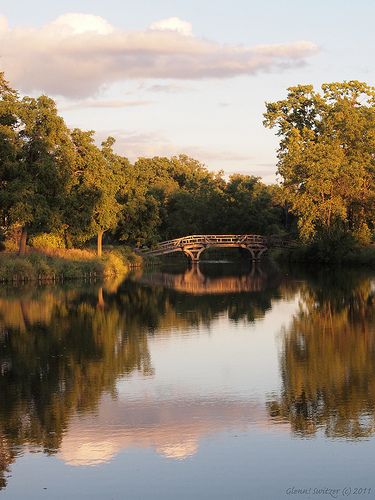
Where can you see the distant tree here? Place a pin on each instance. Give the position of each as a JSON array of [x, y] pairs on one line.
[[196, 207], [139, 218], [250, 206], [166, 197]]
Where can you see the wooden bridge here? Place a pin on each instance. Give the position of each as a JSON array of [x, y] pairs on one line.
[[193, 246]]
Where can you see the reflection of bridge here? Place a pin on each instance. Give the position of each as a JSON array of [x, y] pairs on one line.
[[194, 282], [194, 246]]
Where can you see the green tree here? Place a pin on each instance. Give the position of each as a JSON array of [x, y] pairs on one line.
[[250, 206], [10, 144], [139, 218], [36, 158], [326, 160], [94, 206]]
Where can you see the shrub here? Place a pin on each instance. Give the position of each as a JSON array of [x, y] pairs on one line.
[[47, 241], [16, 268], [128, 255], [363, 234], [114, 264]]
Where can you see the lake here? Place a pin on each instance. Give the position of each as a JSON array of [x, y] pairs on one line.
[[223, 381]]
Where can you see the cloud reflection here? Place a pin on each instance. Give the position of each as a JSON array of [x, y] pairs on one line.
[[172, 428]]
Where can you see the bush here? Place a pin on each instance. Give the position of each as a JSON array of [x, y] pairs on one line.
[[363, 234], [16, 269], [127, 254], [41, 266], [47, 241], [114, 265]]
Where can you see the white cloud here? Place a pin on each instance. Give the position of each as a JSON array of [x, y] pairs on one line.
[[173, 24], [77, 24], [77, 54]]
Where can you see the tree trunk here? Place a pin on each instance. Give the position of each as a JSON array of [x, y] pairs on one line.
[[67, 240], [101, 302], [23, 239], [100, 243]]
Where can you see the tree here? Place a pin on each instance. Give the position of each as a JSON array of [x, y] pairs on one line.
[[250, 206], [139, 218], [94, 207], [10, 144], [326, 159], [36, 157]]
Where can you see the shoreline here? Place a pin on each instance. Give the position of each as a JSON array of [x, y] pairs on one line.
[[63, 265]]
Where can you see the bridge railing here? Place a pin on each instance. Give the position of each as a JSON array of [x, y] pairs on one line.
[[211, 239], [255, 240]]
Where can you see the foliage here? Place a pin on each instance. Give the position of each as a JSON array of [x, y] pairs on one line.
[[36, 159], [326, 160], [47, 241], [56, 181]]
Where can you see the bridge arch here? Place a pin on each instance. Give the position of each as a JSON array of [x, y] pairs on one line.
[[194, 253]]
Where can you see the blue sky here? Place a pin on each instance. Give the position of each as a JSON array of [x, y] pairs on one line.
[[165, 104]]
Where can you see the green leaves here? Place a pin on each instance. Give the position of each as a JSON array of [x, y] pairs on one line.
[[326, 155]]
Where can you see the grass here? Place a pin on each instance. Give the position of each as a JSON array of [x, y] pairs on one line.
[[61, 264]]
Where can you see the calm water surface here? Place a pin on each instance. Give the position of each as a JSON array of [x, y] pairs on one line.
[[218, 382]]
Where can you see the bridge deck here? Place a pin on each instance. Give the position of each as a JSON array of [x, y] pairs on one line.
[[194, 245]]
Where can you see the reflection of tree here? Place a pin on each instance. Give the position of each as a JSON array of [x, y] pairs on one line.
[[328, 361], [57, 356], [61, 348], [7, 456]]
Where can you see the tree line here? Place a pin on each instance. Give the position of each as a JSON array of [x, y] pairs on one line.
[[57, 181]]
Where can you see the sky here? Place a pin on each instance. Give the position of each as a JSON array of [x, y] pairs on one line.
[[184, 76]]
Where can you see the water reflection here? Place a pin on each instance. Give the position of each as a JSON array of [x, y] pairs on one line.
[[173, 428], [198, 280], [61, 348], [63, 351], [328, 359]]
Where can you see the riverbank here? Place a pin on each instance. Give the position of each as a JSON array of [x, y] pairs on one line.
[[304, 254], [59, 265]]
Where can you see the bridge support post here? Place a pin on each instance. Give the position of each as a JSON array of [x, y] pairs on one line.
[[256, 253], [193, 253]]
